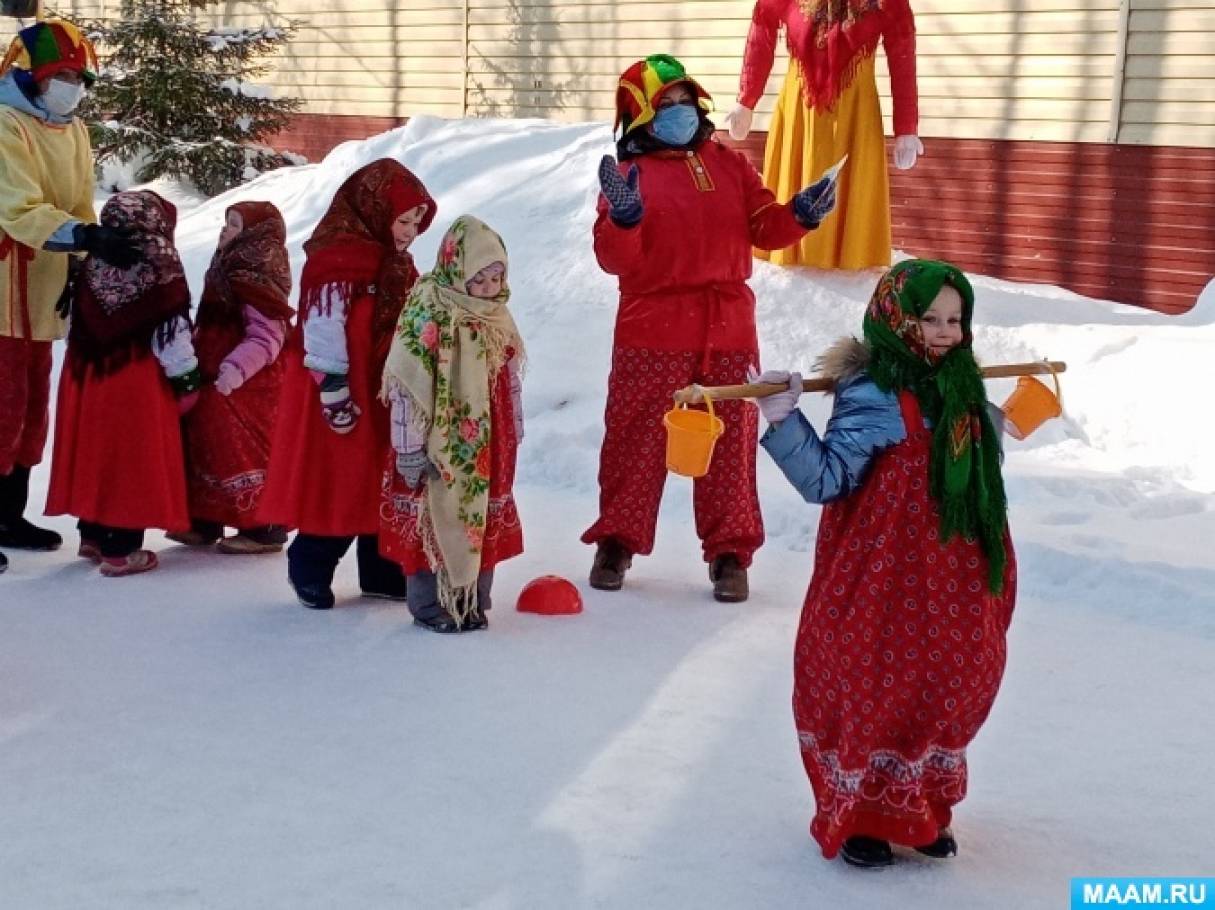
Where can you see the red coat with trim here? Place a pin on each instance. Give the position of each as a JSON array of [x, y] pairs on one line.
[[683, 269]]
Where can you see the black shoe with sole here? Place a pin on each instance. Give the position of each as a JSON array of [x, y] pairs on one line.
[[3, 563], [729, 580], [867, 852], [314, 597], [19, 534], [943, 847], [15, 532], [612, 560], [442, 624]]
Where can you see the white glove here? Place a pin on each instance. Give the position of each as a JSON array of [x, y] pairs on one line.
[[229, 379], [738, 122], [906, 150], [777, 407]]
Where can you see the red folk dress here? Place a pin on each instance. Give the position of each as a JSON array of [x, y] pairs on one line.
[[117, 458], [228, 437], [400, 507], [322, 482], [899, 655]]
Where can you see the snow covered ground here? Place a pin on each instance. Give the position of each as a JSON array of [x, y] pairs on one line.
[[192, 738]]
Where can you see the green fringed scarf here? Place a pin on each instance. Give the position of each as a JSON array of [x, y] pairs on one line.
[[964, 467]]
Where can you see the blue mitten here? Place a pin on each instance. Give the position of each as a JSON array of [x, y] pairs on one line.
[[624, 199], [814, 203]]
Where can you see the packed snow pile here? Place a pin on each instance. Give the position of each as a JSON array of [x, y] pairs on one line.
[[193, 738]]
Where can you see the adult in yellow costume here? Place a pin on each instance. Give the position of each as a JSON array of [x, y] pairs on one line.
[[46, 212], [829, 107]]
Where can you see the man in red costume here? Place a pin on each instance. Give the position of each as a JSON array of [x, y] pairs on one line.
[[677, 220]]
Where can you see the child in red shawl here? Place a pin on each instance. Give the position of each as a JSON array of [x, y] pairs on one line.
[[331, 435], [242, 322], [129, 373]]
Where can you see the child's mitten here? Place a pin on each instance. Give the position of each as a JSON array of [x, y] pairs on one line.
[[336, 407], [622, 193], [777, 407], [412, 466], [814, 203], [229, 379]]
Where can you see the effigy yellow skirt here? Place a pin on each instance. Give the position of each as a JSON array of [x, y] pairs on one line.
[[802, 143]]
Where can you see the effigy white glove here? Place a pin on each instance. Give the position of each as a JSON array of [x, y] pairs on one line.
[[738, 122], [906, 150]]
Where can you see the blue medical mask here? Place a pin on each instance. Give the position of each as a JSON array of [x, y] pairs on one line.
[[676, 125]]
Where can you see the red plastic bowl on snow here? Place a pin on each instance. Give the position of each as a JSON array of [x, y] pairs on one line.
[[549, 595]]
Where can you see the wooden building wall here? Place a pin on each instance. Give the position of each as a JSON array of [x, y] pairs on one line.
[[1070, 141]]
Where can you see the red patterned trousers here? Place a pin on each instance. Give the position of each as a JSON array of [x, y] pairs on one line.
[[632, 462], [25, 394]]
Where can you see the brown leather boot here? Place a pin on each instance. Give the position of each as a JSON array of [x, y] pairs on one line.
[[612, 560], [729, 579]]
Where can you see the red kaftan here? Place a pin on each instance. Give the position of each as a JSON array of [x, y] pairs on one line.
[[400, 507], [227, 437], [899, 655]]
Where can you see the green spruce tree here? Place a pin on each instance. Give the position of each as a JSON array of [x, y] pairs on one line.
[[177, 96]]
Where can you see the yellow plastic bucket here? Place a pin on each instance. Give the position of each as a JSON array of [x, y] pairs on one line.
[[1030, 405], [691, 436]]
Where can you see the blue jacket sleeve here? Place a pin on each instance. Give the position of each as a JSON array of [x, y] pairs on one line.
[[865, 421]]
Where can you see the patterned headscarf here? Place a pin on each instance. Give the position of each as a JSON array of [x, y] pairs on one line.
[[352, 246], [964, 468], [117, 307], [448, 348], [843, 33], [251, 270]]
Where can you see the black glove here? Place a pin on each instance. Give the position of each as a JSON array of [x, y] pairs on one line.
[[63, 306], [116, 246]]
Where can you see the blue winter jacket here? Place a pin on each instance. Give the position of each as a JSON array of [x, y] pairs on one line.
[[864, 422]]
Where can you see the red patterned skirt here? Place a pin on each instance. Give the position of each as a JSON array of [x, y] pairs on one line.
[[401, 507], [227, 437], [899, 656]]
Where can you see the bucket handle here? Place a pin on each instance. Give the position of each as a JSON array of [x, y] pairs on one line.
[[704, 394], [1054, 375]]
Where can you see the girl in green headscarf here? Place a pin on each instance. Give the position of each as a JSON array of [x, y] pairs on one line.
[[901, 645]]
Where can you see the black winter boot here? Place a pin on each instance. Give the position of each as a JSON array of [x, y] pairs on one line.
[[3, 563], [867, 852], [15, 531], [943, 847]]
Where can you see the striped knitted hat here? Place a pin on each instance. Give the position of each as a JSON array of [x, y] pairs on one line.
[[643, 83], [51, 47]]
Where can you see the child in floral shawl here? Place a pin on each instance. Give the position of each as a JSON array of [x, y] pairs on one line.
[[452, 381]]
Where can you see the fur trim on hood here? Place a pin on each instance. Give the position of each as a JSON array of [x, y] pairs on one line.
[[843, 360]]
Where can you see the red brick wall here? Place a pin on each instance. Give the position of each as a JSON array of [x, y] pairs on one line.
[[1134, 224]]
